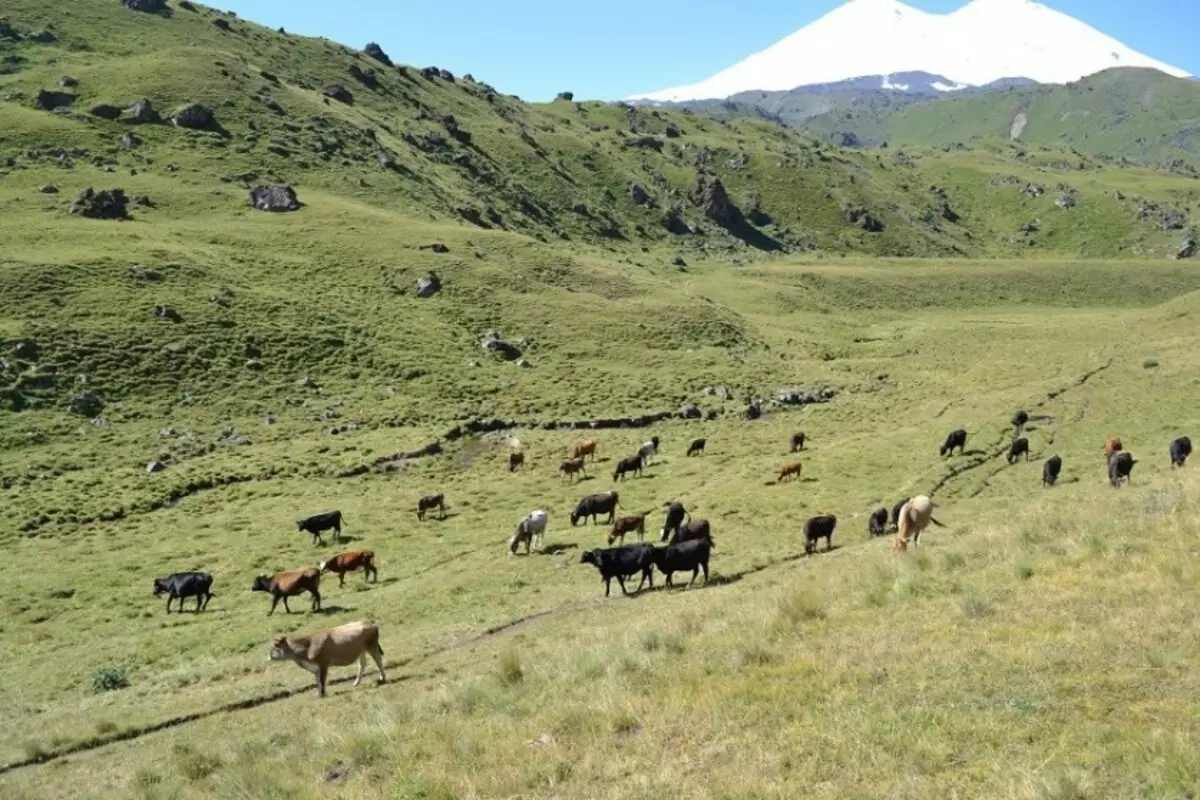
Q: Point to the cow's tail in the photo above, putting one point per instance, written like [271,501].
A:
[933,519]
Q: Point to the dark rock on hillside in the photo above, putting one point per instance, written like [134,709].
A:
[43,37]
[1034,189]
[142,112]
[143,200]
[674,222]
[374,51]
[148,6]
[155,466]
[493,343]
[366,77]
[860,216]
[221,23]
[167,312]
[86,405]
[567,96]
[194,116]
[437,247]
[757,215]
[644,142]
[26,351]
[428,285]
[68,82]
[336,91]
[107,204]
[713,200]
[1187,249]
[7,31]
[1067,201]
[188,6]
[130,139]
[274,198]
[691,411]
[846,139]
[672,131]
[638,194]
[49,188]
[105,111]
[49,101]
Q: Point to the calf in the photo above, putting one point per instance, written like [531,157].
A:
[322,522]
[915,517]
[696,448]
[621,563]
[877,525]
[283,585]
[585,448]
[797,441]
[1120,464]
[676,515]
[1181,448]
[896,513]
[332,647]
[624,525]
[533,526]
[632,464]
[683,556]
[817,528]
[789,470]
[1019,419]
[349,562]
[693,529]
[1018,448]
[649,449]
[185,584]
[515,460]
[957,438]
[596,504]
[431,501]
[1050,470]
[1113,445]
[573,466]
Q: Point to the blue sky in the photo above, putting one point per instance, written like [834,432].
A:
[609,50]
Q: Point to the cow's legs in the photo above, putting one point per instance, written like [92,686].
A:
[695,573]
[274,602]
[704,565]
[607,585]
[322,674]
[621,581]
[341,579]
[286,607]
[316,603]
[170,597]
[362,665]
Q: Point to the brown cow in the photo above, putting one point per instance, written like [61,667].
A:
[798,441]
[431,501]
[585,448]
[789,470]
[571,467]
[350,561]
[283,585]
[515,460]
[1113,445]
[332,647]
[624,525]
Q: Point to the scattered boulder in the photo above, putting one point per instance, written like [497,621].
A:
[68,82]
[106,204]
[428,285]
[1118,195]
[672,131]
[374,51]
[26,351]
[1066,201]
[307,382]
[7,31]
[1030,227]
[222,24]
[677,261]
[676,224]
[1187,249]
[860,216]
[366,77]
[194,116]
[86,405]
[437,247]
[565,96]
[274,198]
[1034,189]
[254,364]
[691,411]
[49,101]
[148,6]
[846,139]
[49,188]
[645,142]
[143,112]
[154,466]
[105,111]
[167,312]
[130,139]
[42,37]
[143,200]
[638,194]
[492,342]
[713,200]
[338,92]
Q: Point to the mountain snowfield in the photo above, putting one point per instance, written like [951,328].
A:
[982,42]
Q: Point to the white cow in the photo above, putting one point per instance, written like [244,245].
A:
[648,450]
[531,527]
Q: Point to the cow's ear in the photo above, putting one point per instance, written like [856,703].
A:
[281,641]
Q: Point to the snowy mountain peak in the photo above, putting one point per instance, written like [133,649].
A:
[982,42]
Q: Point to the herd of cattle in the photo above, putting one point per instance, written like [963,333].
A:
[688,542]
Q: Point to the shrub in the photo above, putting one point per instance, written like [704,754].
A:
[109,679]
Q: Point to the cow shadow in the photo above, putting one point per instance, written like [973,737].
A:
[682,585]
[822,550]
[975,452]
[556,548]
[334,609]
[343,539]
[443,518]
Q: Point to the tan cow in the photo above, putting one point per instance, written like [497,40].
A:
[1113,445]
[332,647]
[789,470]
[915,517]
[571,467]
[585,448]
[283,585]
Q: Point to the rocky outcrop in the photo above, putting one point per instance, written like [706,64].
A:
[148,6]
[336,91]
[142,112]
[49,101]
[195,116]
[428,285]
[106,204]
[860,216]
[274,198]
[373,50]
[710,196]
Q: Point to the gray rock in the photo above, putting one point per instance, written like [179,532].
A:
[148,6]
[428,285]
[307,382]
[1187,249]
[86,404]
[713,200]
[167,433]
[167,312]
[105,204]
[130,139]
[274,198]
[68,82]
[492,342]
[691,411]
[567,96]
[194,116]
[374,51]
[860,216]
[253,363]
[52,101]
[143,112]
[49,188]
[105,111]
[155,466]
[638,194]
[338,92]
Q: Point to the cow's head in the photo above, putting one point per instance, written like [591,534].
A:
[323,566]
[299,524]
[160,586]
[575,518]
[279,650]
[588,557]
[261,584]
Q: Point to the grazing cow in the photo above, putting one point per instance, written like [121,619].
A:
[624,525]
[431,501]
[1018,421]
[1113,445]
[349,562]
[789,470]
[332,647]
[585,448]
[1120,464]
[533,526]
[915,516]
[322,522]
[957,438]
[878,523]
[515,460]
[185,584]
[571,467]
[622,562]
[1018,448]
[692,529]
[283,585]
[632,464]
[596,504]
[1181,448]
[649,450]
[676,516]
[797,441]
[1050,470]
[682,556]
[895,526]
[696,448]
[817,528]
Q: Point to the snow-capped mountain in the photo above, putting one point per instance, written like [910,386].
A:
[982,42]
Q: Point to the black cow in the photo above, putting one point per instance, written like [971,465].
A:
[430,502]
[1019,447]
[692,529]
[895,524]
[676,516]
[622,562]
[877,524]
[1181,448]
[957,438]
[817,528]
[594,504]
[1120,464]
[683,556]
[798,441]
[1019,419]
[697,447]
[322,522]
[1050,470]
[185,584]
[631,464]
